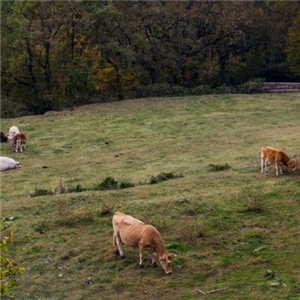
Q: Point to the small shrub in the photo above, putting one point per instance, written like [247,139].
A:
[126,184]
[109,183]
[76,189]
[41,192]
[163,177]
[218,168]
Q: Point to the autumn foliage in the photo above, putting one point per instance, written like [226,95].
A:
[58,54]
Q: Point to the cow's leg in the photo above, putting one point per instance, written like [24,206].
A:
[153,261]
[262,164]
[117,241]
[141,252]
[276,167]
[280,167]
[266,165]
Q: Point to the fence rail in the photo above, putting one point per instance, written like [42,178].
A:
[278,87]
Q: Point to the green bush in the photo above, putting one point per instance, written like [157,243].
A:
[41,192]
[126,184]
[76,189]
[163,177]
[109,183]
[217,168]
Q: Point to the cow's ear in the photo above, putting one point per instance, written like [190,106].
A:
[173,254]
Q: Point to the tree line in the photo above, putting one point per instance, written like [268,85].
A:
[58,54]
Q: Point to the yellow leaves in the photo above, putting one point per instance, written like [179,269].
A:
[9,266]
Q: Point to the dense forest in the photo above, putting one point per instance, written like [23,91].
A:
[58,54]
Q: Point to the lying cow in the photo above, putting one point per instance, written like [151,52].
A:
[278,156]
[11,134]
[135,233]
[3,138]
[7,163]
[19,141]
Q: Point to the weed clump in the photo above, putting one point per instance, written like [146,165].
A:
[109,183]
[126,184]
[76,189]
[41,192]
[163,177]
[218,168]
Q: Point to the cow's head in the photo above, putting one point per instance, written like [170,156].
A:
[292,165]
[166,262]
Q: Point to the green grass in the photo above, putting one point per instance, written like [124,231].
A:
[212,220]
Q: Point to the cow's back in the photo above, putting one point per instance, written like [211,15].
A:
[270,153]
[12,132]
[129,229]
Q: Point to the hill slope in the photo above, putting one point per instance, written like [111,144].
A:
[213,220]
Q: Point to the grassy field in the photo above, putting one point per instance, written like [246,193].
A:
[213,220]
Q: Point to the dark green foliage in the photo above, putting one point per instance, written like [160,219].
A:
[209,49]
[41,192]
[163,177]
[217,168]
[76,189]
[126,184]
[109,183]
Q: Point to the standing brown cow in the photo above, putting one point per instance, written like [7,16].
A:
[19,141]
[135,233]
[278,156]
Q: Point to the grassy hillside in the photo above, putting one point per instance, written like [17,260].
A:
[213,220]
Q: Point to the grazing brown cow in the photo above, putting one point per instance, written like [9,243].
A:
[278,156]
[19,141]
[135,233]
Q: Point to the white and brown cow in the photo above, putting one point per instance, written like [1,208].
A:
[135,233]
[13,130]
[279,157]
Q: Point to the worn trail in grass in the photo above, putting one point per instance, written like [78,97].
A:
[213,220]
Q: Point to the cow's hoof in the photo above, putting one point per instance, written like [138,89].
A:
[117,252]
[122,256]
[142,267]
[154,265]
